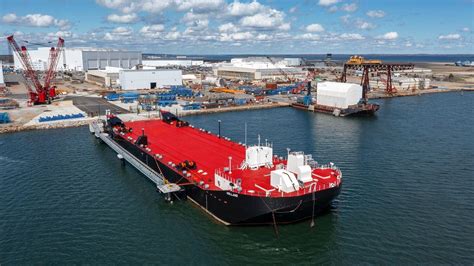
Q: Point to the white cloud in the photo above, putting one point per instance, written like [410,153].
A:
[268,19]
[314,28]
[199,24]
[328,2]
[228,27]
[349,7]
[62,23]
[263,37]
[284,27]
[309,37]
[126,18]
[453,36]
[173,35]
[122,31]
[376,14]
[239,9]
[35,20]
[38,20]
[62,34]
[351,36]
[199,5]
[152,31]
[466,29]
[9,18]
[293,9]
[237,36]
[364,25]
[150,6]
[191,17]
[389,36]
[128,6]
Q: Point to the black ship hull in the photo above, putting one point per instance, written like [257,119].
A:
[237,209]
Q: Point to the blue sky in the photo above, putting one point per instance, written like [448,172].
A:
[263,26]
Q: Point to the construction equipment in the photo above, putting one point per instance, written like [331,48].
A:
[359,60]
[226,90]
[42,93]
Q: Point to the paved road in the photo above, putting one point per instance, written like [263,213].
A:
[93,105]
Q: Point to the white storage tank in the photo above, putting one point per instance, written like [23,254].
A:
[338,94]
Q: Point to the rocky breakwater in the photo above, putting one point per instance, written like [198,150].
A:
[14,127]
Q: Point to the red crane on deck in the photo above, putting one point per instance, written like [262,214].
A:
[42,93]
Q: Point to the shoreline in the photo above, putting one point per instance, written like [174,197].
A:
[83,122]
[382,95]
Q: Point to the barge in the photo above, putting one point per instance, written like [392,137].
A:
[235,183]
[338,99]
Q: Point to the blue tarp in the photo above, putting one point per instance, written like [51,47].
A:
[181,91]
[60,117]
[112,97]
[4,118]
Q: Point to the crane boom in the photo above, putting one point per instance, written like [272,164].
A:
[43,93]
[54,54]
[26,62]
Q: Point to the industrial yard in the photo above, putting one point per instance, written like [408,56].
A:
[138,86]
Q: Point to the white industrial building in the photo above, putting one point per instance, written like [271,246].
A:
[402,83]
[107,77]
[258,68]
[2,82]
[149,79]
[83,59]
[171,62]
[338,94]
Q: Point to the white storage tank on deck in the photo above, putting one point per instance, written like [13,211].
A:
[338,94]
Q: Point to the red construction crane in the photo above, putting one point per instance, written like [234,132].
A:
[41,94]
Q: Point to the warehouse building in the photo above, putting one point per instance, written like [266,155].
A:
[149,79]
[172,62]
[107,77]
[83,59]
[258,69]
[2,82]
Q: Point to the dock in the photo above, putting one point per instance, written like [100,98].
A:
[159,180]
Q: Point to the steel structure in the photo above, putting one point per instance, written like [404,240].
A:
[366,68]
[41,94]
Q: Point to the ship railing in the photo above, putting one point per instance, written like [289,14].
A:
[222,174]
[310,188]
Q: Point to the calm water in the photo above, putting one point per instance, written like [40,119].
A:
[408,194]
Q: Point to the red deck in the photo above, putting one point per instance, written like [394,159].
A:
[211,153]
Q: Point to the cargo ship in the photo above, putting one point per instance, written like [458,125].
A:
[235,183]
[338,99]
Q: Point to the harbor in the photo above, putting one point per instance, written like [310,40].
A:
[202,87]
[110,203]
[236,132]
